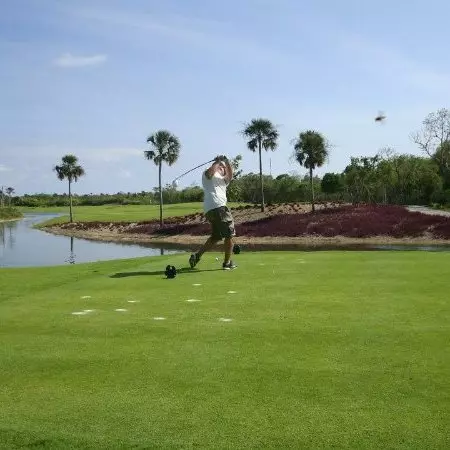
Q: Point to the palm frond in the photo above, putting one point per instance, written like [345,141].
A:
[69,160]
[261,131]
[252,144]
[165,147]
[310,149]
[69,169]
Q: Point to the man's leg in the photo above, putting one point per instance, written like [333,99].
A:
[195,257]
[228,247]
[211,241]
[228,232]
[208,245]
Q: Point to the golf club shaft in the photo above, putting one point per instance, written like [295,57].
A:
[185,173]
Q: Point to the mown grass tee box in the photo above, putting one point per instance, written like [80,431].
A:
[290,350]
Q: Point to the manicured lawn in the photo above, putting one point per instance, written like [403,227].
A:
[323,350]
[119,213]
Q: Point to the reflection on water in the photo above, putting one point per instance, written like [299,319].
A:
[71,259]
[7,237]
[22,245]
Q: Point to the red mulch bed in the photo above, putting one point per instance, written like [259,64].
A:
[348,221]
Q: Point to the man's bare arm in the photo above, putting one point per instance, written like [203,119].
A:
[212,170]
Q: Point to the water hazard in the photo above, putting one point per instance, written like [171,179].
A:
[21,245]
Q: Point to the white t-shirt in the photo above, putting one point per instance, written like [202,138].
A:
[215,191]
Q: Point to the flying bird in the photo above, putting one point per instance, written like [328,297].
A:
[381,116]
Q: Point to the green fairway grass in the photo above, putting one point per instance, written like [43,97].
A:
[323,350]
[119,213]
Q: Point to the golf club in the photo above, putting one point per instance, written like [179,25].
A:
[175,181]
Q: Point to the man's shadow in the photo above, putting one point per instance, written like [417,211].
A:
[182,271]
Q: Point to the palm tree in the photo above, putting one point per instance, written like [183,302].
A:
[70,170]
[261,134]
[311,151]
[10,192]
[165,147]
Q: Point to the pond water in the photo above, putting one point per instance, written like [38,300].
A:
[21,245]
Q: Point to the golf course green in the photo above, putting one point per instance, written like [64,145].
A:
[290,350]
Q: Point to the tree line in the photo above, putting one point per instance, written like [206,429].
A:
[384,178]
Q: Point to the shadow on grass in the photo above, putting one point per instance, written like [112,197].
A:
[184,270]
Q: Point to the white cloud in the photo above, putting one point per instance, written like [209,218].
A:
[3,168]
[67,60]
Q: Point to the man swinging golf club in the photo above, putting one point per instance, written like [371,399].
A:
[215,181]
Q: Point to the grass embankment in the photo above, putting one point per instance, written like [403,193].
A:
[8,213]
[118,213]
[323,350]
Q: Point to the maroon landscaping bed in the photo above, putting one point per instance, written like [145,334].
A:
[347,221]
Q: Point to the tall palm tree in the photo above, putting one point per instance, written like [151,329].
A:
[261,134]
[70,170]
[311,151]
[10,192]
[165,147]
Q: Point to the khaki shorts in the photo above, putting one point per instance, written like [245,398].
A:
[222,223]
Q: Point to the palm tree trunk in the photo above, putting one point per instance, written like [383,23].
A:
[160,197]
[261,182]
[312,189]
[70,200]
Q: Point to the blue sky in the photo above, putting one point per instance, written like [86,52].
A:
[96,77]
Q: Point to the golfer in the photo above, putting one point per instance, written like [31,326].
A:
[215,181]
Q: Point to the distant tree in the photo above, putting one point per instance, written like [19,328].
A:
[234,189]
[435,131]
[10,192]
[311,151]
[332,183]
[442,158]
[70,170]
[165,147]
[261,134]
[235,164]
[434,139]
[361,178]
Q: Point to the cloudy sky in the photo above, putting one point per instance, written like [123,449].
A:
[96,77]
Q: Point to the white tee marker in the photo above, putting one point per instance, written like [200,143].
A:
[223,319]
[83,313]
[231,292]
[192,300]
[121,310]
[133,301]
[85,297]
[196,284]
[159,318]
